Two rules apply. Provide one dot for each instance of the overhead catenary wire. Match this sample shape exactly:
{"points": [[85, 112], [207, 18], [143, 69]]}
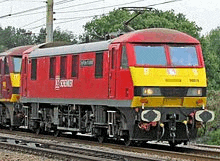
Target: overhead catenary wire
{"points": [[76, 5], [29, 11], [118, 5], [72, 20], [78, 18], [31, 28], [22, 12], [85, 10], [63, 2], [29, 14], [101, 7], [163, 3], [81, 17], [33, 22], [27, 0]]}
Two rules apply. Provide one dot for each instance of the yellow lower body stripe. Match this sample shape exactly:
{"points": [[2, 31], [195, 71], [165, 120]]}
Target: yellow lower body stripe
{"points": [[168, 101], [14, 98]]}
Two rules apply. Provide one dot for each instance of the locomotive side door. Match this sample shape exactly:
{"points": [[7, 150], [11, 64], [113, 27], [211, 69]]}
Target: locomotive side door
{"points": [[0, 77], [5, 78], [24, 76], [112, 70]]}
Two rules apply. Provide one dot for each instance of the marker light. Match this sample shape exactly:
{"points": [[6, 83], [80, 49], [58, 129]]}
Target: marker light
{"points": [[199, 102], [144, 100], [149, 91], [194, 92]]}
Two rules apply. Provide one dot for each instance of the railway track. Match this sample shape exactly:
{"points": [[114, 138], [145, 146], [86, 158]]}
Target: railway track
{"points": [[208, 146], [67, 152], [116, 152]]}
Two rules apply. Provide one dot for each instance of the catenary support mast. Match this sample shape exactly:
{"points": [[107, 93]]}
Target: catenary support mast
{"points": [[49, 21]]}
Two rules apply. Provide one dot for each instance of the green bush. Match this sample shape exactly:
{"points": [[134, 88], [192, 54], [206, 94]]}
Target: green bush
{"points": [[211, 134], [213, 138], [213, 103]]}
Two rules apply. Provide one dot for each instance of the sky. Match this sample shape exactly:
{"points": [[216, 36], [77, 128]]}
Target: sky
{"points": [[71, 15]]}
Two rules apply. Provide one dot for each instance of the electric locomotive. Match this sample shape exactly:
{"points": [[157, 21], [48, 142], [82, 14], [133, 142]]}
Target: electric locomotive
{"points": [[144, 85], [11, 111], [10, 68]]}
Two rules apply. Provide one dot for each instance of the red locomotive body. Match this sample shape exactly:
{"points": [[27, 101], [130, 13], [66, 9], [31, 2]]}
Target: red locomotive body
{"points": [[77, 73], [144, 85]]}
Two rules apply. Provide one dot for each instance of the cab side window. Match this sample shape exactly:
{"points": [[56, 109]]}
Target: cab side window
{"points": [[6, 66], [52, 68], [0, 66], [113, 58], [124, 59], [99, 65], [63, 67], [75, 66], [33, 69]]}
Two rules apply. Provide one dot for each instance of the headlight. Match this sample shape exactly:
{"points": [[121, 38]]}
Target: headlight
{"points": [[194, 92], [151, 91]]}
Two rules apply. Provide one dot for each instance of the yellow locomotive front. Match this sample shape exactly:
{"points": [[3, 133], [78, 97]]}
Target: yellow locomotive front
{"points": [[169, 91], [10, 83]]}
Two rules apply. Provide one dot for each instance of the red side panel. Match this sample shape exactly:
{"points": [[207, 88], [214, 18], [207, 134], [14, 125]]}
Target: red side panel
{"points": [[85, 86], [122, 81], [125, 89]]}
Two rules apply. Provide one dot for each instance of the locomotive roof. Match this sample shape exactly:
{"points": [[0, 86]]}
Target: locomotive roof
{"points": [[71, 49], [156, 35], [17, 51]]}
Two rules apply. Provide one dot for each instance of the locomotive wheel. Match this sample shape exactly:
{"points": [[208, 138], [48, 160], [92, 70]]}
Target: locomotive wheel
{"points": [[57, 133], [74, 134], [11, 128], [127, 141], [101, 138], [38, 130]]}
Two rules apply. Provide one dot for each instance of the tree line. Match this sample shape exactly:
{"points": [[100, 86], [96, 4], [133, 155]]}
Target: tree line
{"points": [[11, 37], [100, 26]]}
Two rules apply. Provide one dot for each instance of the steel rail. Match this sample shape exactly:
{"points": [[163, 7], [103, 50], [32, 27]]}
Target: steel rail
{"points": [[154, 149], [67, 152], [208, 146]]}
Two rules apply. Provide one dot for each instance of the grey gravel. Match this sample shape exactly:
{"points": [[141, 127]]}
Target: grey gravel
{"points": [[6, 155]]}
